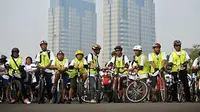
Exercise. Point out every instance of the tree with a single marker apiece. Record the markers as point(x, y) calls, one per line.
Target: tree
point(194, 53)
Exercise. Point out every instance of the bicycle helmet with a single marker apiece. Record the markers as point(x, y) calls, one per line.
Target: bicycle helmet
point(15, 50)
point(43, 42)
point(177, 43)
point(96, 47)
point(79, 52)
point(118, 48)
point(137, 47)
point(156, 45)
point(60, 52)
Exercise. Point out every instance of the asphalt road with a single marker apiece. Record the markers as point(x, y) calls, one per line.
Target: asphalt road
point(104, 107)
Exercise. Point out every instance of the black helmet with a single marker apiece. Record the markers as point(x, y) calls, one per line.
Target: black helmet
point(118, 48)
point(15, 50)
point(60, 52)
point(3, 57)
point(177, 42)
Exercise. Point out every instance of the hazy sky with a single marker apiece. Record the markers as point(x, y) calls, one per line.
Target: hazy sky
point(23, 23)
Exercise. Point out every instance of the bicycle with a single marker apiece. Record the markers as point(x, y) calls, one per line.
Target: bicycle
point(169, 80)
point(13, 93)
point(41, 89)
point(106, 84)
point(161, 89)
point(136, 90)
point(80, 89)
point(118, 93)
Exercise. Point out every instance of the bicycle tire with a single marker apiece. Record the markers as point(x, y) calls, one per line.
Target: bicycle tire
point(180, 92)
point(80, 92)
point(140, 99)
point(162, 90)
point(98, 96)
point(59, 90)
point(41, 92)
point(14, 91)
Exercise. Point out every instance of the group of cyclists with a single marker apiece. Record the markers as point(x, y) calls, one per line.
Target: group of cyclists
point(89, 69)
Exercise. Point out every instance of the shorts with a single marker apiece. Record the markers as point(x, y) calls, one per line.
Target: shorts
point(5, 79)
point(73, 82)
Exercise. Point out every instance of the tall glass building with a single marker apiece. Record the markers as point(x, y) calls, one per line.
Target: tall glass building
point(71, 26)
point(128, 23)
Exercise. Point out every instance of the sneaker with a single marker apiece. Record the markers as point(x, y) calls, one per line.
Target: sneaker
point(12, 100)
point(93, 101)
point(27, 101)
point(0, 101)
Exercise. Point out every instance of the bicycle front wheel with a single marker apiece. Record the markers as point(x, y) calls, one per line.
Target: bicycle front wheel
point(136, 91)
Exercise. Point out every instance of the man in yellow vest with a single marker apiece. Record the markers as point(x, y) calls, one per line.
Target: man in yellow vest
point(15, 67)
point(178, 60)
point(157, 60)
point(61, 66)
point(140, 63)
point(78, 63)
point(44, 60)
point(94, 68)
point(121, 63)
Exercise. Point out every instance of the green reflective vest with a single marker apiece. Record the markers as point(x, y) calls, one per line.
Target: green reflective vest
point(178, 60)
point(146, 64)
point(44, 60)
point(62, 64)
point(82, 70)
point(157, 61)
point(121, 65)
point(14, 66)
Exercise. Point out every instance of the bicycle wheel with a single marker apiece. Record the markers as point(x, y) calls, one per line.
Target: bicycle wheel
point(136, 91)
point(80, 92)
point(162, 90)
point(180, 92)
point(41, 92)
point(14, 91)
point(192, 91)
point(1, 93)
point(59, 90)
point(99, 91)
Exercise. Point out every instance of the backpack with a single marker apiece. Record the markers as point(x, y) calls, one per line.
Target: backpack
point(48, 52)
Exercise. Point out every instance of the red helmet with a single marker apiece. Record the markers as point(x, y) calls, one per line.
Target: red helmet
point(156, 45)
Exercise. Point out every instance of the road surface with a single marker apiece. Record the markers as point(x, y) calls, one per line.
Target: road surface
point(103, 107)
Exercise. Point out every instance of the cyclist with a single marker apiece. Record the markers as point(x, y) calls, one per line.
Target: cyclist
point(3, 73)
point(157, 60)
point(79, 62)
point(196, 70)
point(61, 66)
point(120, 63)
point(44, 60)
point(177, 60)
point(94, 68)
point(15, 70)
point(140, 63)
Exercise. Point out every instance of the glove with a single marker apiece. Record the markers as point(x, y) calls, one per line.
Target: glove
point(185, 64)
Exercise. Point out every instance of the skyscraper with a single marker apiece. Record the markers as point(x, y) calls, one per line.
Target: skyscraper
point(71, 26)
point(128, 23)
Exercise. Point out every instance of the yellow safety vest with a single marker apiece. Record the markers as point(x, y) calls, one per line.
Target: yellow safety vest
point(63, 62)
point(91, 69)
point(121, 65)
point(178, 60)
point(44, 59)
point(79, 63)
point(146, 64)
point(157, 61)
point(14, 66)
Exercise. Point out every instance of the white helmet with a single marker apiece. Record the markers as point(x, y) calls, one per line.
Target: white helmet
point(137, 47)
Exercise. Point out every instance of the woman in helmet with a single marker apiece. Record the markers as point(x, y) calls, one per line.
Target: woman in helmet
point(140, 63)
point(61, 66)
point(79, 63)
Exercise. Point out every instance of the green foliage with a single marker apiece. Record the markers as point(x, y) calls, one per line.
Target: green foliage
point(194, 53)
